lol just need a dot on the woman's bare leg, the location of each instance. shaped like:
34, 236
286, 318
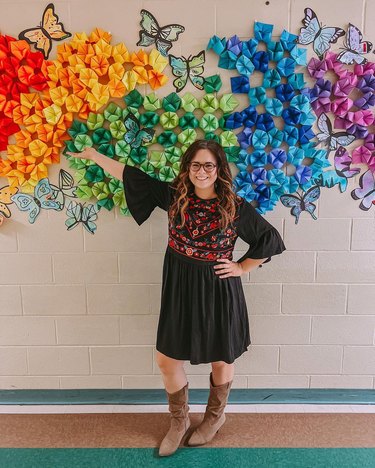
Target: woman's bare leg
222, 372
172, 371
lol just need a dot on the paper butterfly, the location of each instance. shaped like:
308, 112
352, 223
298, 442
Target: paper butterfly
342, 172
152, 33
328, 137
48, 30
135, 136
41, 199
366, 192
354, 47
300, 203
191, 68
313, 32
66, 188
78, 213
5, 199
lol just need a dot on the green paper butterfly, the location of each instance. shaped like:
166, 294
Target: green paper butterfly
152, 33
135, 136
79, 213
191, 68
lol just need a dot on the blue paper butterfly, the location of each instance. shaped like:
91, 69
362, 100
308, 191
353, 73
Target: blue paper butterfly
300, 203
342, 172
313, 32
354, 48
188, 68
41, 199
328, 137
79, 213
135, 136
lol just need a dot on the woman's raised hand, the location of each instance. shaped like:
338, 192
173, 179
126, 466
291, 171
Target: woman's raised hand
87, 153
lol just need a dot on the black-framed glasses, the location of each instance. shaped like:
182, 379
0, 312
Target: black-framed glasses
208, 166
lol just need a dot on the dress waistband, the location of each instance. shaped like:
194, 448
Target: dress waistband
195, 261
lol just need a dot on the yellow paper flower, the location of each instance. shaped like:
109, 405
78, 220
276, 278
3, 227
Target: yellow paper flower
52, 114
157, 61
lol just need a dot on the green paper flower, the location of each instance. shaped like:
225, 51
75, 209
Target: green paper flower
167, 139
107, 149
172, 102
95, 121
232, 153
166, 174
82, 141
113, 112
212, 136
173, 154
103, 194
209, 123
117, 129
212, 84
134, 99
151, 102
122, 149
189, 102
138, 155
101, 135
94, 174
188, 121
209, 104
84, 190
228, 103
169, 120
118, 196
148, 168
130, 110
70, 146
77, 128
149, 119
228, 138
157, 159
187, 137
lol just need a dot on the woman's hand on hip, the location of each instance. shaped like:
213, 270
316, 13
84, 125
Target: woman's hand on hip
228, 268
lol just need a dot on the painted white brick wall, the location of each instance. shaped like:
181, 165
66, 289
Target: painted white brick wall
81, 311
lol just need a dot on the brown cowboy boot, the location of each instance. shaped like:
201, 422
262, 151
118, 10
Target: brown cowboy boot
180, 421
214, 416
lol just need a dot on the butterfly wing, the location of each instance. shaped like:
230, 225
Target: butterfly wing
44, 193
89, 215
325, 127
344, 138
6, 194
50, 23
308, 198
366, 192
133, 127
196, 68
342, 161
180, 69
311, 29
38, 38
26, 202
326, 37
74, 212
294, 202
144, 136
349, 57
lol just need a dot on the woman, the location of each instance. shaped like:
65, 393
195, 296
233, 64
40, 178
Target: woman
203, 314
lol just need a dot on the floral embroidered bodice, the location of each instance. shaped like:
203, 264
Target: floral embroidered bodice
201, 237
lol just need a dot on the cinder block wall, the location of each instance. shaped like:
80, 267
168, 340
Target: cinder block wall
81, 311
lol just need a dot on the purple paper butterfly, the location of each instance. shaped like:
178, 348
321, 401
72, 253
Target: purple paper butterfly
366, 192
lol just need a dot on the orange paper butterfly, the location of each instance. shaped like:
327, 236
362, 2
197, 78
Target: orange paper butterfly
49, 29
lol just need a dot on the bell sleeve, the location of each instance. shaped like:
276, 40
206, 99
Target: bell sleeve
143, 193
264, 240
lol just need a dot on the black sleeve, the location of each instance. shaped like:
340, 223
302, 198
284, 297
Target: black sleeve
143, 193
263, 238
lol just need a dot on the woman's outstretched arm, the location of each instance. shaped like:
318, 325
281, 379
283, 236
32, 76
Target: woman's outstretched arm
115, 168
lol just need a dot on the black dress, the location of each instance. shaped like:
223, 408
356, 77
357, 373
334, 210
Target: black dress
203, 318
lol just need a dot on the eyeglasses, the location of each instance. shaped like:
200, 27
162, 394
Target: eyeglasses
208, 167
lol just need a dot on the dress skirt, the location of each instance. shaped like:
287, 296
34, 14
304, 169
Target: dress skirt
203, 318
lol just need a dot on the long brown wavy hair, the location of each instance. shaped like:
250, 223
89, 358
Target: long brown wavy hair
223, 184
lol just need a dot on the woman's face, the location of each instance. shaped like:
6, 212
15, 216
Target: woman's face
203, 179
